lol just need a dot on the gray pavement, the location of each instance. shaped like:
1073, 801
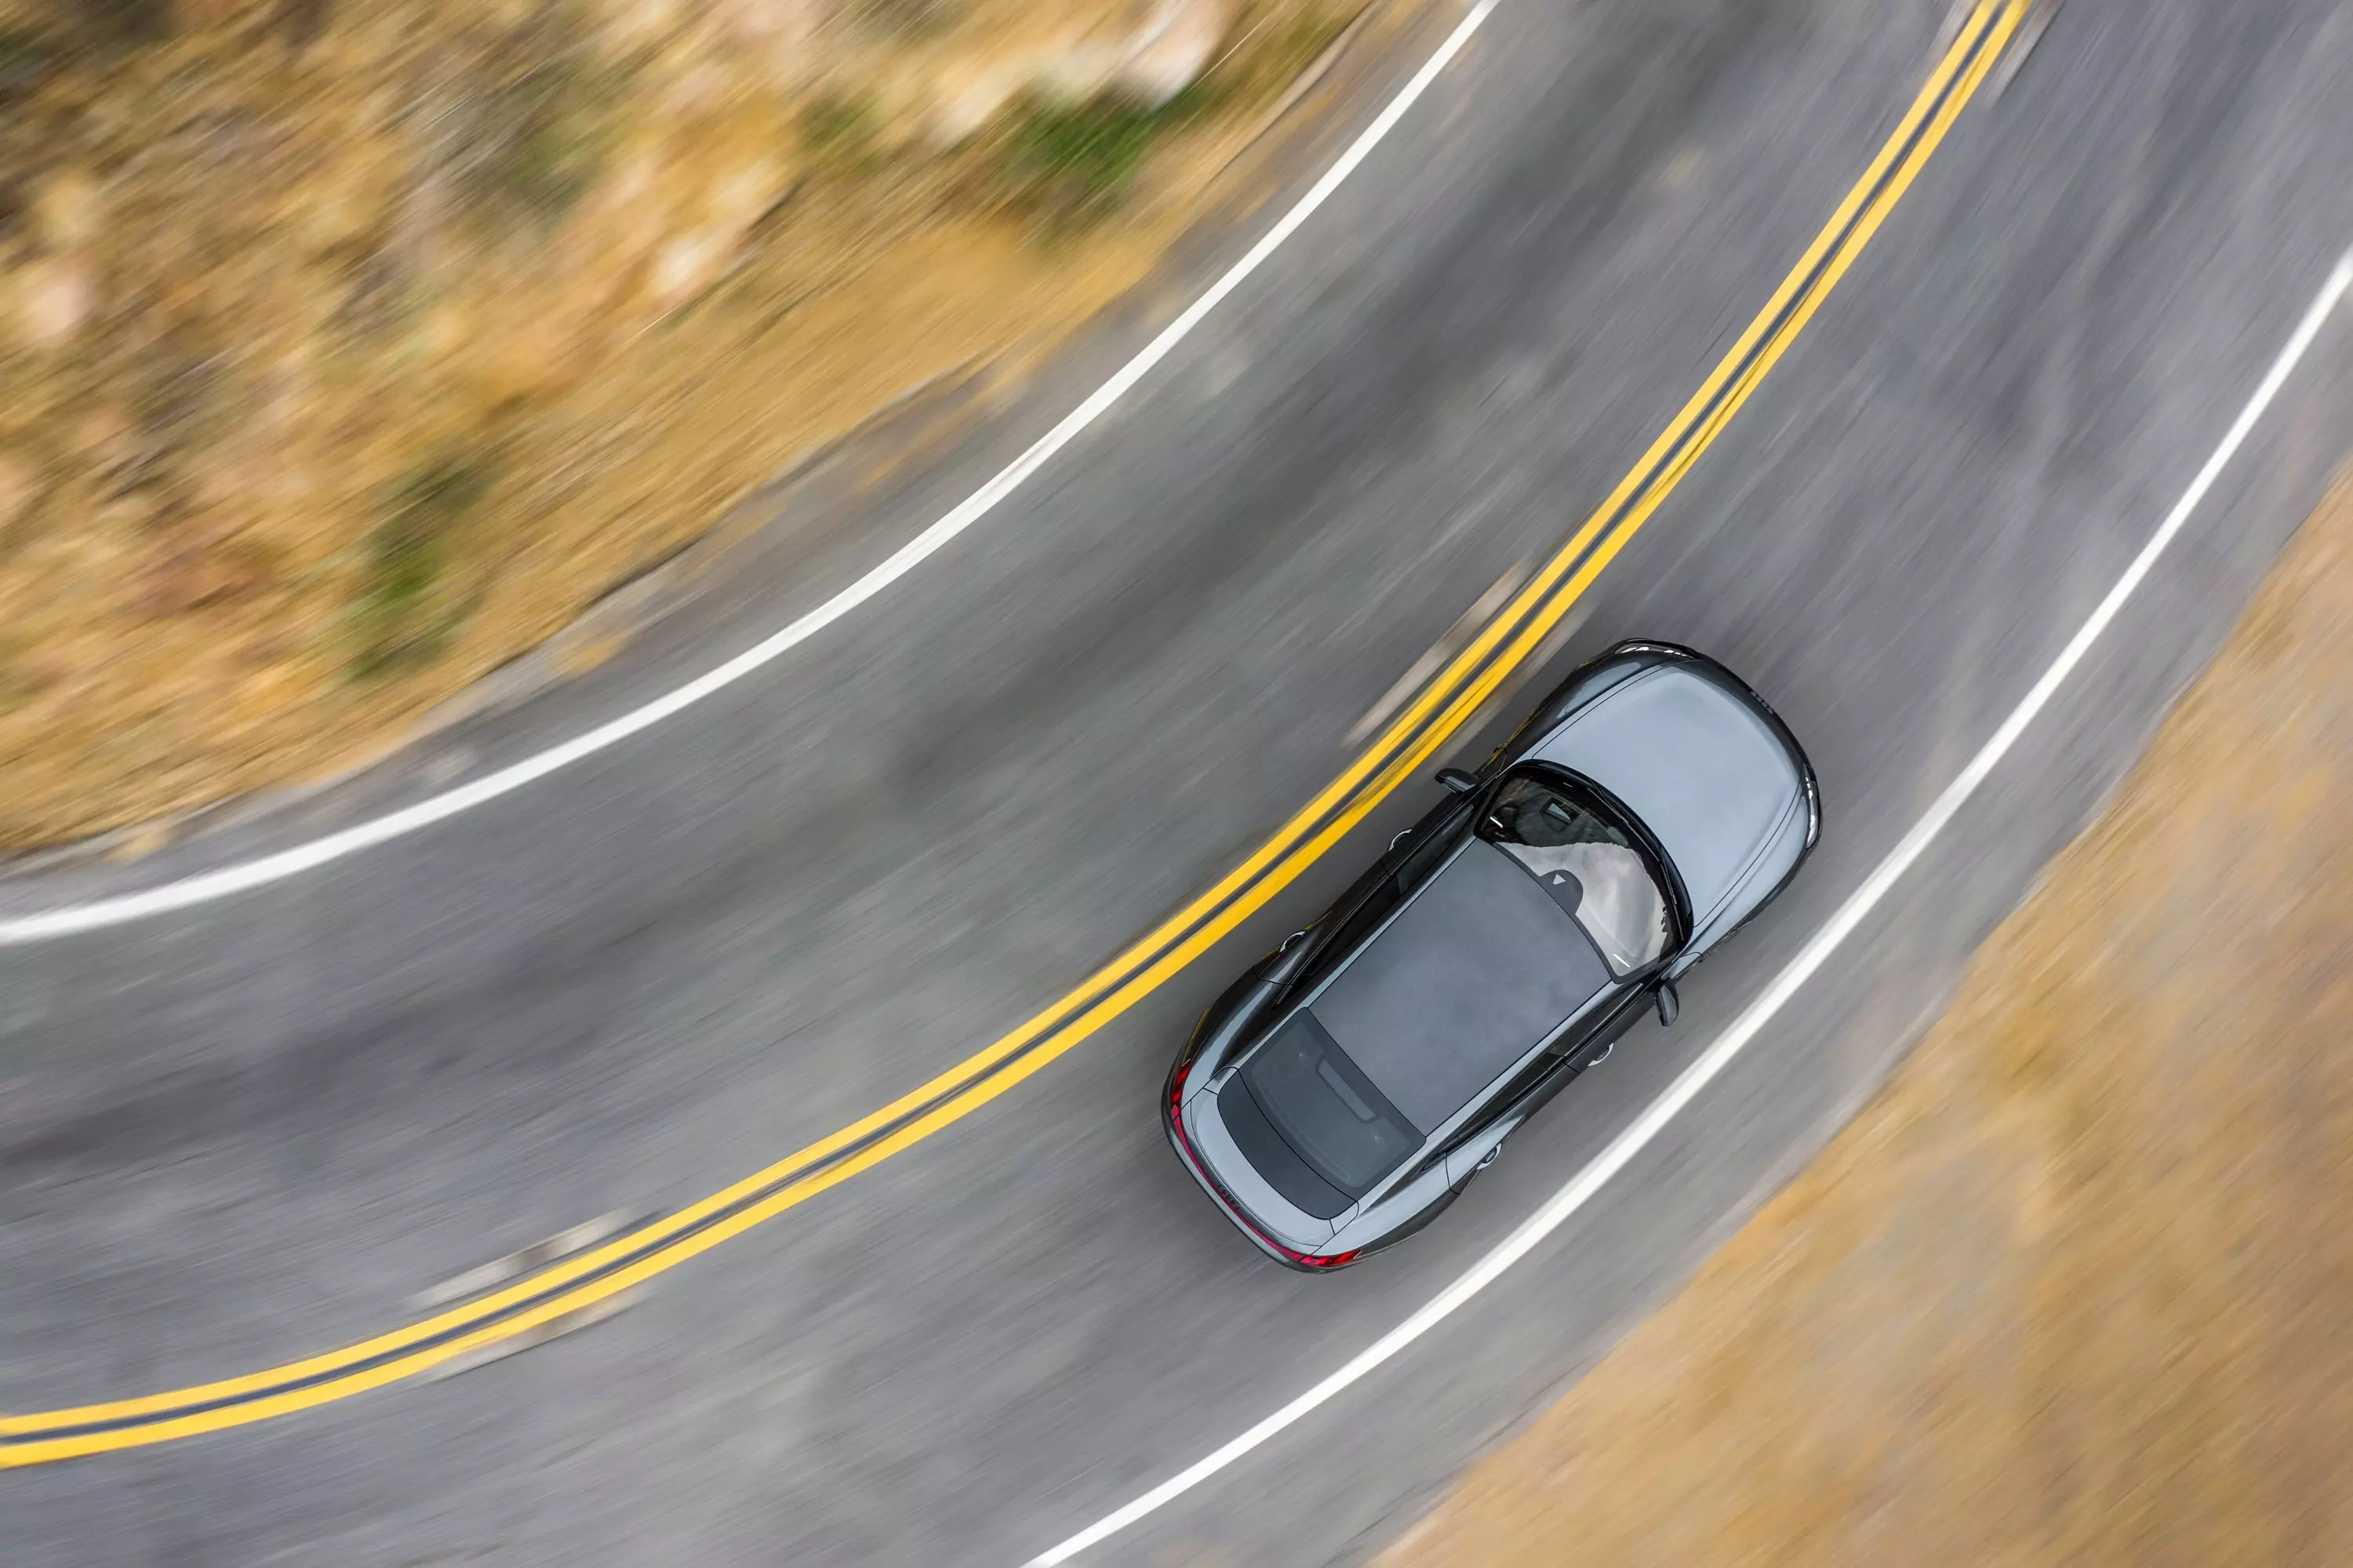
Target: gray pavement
244, 1133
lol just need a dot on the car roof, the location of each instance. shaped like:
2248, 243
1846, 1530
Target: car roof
1700, 767
1470, 975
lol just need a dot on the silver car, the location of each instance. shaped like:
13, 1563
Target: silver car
1345, 1090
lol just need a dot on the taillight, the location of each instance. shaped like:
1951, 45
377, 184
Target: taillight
1176, 1108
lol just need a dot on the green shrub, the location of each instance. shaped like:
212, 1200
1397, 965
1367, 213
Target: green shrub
837, 126
117, 21
1075, 162
26, 60
405, 607
525, 129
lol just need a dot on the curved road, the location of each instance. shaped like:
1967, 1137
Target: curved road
252, 1131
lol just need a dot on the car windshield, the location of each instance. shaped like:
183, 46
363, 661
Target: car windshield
1588, 865
1325, 1108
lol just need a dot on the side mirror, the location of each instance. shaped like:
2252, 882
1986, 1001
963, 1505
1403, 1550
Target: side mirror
1669, 1004
1454, 779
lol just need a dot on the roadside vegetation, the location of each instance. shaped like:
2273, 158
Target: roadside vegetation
348, 351
2073, 1289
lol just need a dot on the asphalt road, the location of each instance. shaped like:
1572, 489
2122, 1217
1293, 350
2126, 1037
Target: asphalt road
250, 1131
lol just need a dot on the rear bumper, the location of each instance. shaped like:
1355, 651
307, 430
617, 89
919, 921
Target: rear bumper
1226, 1206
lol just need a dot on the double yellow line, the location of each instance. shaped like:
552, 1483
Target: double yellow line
1402, 750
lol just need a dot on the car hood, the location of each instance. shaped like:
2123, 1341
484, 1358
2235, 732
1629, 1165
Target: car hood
1695, 761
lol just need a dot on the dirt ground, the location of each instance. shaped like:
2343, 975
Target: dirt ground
349, 350
2075, 1287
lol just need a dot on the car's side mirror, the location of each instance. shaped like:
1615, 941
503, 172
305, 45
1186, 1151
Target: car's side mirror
1669, 1004
1459, 781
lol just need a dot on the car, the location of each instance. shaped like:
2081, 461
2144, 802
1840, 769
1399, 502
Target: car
1343, 1091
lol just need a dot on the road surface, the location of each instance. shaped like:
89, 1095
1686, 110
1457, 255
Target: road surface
250, 1131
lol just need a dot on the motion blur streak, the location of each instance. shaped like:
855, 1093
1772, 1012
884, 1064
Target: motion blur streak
1654, 1118
1405, 746
228, 881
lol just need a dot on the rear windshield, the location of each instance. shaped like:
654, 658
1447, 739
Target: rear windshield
1327, 1109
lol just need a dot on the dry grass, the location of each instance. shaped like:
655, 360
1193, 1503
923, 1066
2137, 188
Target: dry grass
273, 272
2074, 1288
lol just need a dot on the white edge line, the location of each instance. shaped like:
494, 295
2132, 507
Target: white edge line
230, 880
1719, 1054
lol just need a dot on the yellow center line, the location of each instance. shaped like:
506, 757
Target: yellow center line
1406, 744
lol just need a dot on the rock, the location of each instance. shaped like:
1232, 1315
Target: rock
634, 25
53, 301
1080, 73
1070, 72
724, 215
1150, 66
781, 34
684, 266
1172, 49
969, 102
